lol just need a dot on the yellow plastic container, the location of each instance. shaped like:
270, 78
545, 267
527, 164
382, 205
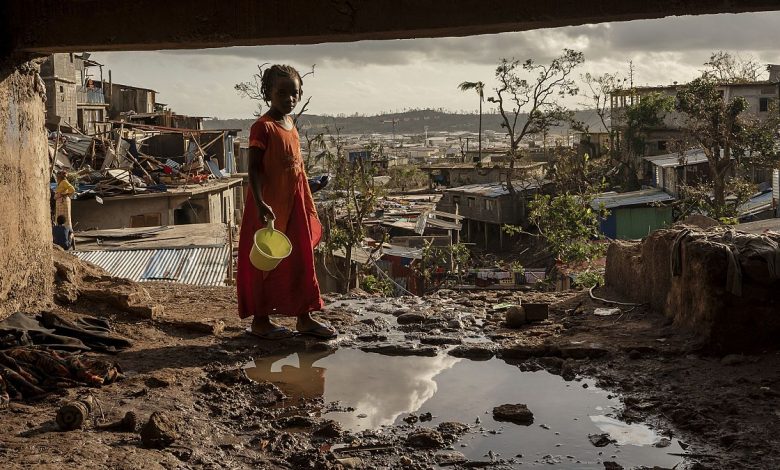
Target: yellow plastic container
270, 248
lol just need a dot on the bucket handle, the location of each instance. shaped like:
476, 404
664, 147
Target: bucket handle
269, 224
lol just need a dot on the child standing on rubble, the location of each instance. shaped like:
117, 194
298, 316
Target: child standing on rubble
279, 191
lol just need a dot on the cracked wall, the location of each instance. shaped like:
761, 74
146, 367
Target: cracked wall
698, 299
26, 274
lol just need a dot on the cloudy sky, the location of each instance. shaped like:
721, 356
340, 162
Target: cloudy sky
371, 77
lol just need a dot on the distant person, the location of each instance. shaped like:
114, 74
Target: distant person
62, 196
62, 234
280, 191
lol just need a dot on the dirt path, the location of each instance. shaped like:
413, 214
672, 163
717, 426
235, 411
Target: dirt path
185, 364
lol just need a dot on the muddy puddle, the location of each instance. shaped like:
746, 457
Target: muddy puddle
365, 391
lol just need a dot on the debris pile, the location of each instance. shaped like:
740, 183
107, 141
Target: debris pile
117, 163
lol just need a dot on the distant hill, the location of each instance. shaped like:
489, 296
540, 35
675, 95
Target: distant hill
410, 122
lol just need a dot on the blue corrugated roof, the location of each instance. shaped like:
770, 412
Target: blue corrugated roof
205, 266
756, 204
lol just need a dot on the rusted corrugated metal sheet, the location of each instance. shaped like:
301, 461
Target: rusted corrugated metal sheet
206, 266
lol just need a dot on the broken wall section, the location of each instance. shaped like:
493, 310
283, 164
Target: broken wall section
698, 298
26, 269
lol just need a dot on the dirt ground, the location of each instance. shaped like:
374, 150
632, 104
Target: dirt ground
186, 364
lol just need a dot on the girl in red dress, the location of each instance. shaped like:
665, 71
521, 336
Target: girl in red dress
279, 190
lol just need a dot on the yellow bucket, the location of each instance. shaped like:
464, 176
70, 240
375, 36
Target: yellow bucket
270, 247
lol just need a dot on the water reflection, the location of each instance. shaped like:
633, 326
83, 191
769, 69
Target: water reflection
625, 434
380, 388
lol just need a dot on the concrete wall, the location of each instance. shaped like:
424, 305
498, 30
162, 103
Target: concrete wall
117, 213
59, 75
26, 277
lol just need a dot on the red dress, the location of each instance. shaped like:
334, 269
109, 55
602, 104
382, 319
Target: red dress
292, 288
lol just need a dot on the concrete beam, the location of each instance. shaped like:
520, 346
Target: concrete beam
46, 26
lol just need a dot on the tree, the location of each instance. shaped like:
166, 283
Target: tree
628, 127
343, 218
479, 87
720, 128
639, 119
536, 96
252, 89
403, 177
315, 148
725, 67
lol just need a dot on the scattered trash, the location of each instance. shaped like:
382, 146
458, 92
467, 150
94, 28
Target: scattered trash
74, 415
606, 312
536, 311
128, 423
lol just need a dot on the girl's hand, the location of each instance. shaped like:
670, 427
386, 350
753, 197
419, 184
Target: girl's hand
265, 212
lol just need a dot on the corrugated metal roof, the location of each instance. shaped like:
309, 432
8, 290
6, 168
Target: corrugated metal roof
78, 145
632, 198
691, 157
205, 266
756, 204
494, 189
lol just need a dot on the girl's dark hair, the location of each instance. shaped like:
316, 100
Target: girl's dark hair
272, 73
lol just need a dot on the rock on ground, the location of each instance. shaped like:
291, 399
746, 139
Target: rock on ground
425, 439
517, 413
160, 431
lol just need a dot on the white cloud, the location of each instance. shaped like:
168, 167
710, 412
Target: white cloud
374, 76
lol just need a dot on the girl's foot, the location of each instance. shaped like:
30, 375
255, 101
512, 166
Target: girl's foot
263, 327
309, 326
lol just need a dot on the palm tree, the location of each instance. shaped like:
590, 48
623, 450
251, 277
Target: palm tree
479, 87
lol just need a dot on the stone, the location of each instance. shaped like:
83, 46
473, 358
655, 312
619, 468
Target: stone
455, 324
663, 442
523, 351
400, 349
452, 427
536, 311
514, 413
634, 355
600, 440
515, 316
437, 340
329, 429
425, 439
350, 462
473, 351
609, 465
733, 360
449, 457
160, 431
207, 326
409, 318
584, 351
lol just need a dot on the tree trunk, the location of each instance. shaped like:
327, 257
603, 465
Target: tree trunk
348, 269
480, 129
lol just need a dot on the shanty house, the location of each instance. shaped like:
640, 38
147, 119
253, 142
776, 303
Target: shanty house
212, 202
670, 171
487, 207
634, 214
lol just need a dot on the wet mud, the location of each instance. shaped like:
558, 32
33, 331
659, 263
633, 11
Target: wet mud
412, 383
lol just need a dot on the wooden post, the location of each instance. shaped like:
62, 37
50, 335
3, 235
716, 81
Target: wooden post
485, 226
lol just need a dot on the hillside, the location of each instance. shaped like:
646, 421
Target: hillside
410, 122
